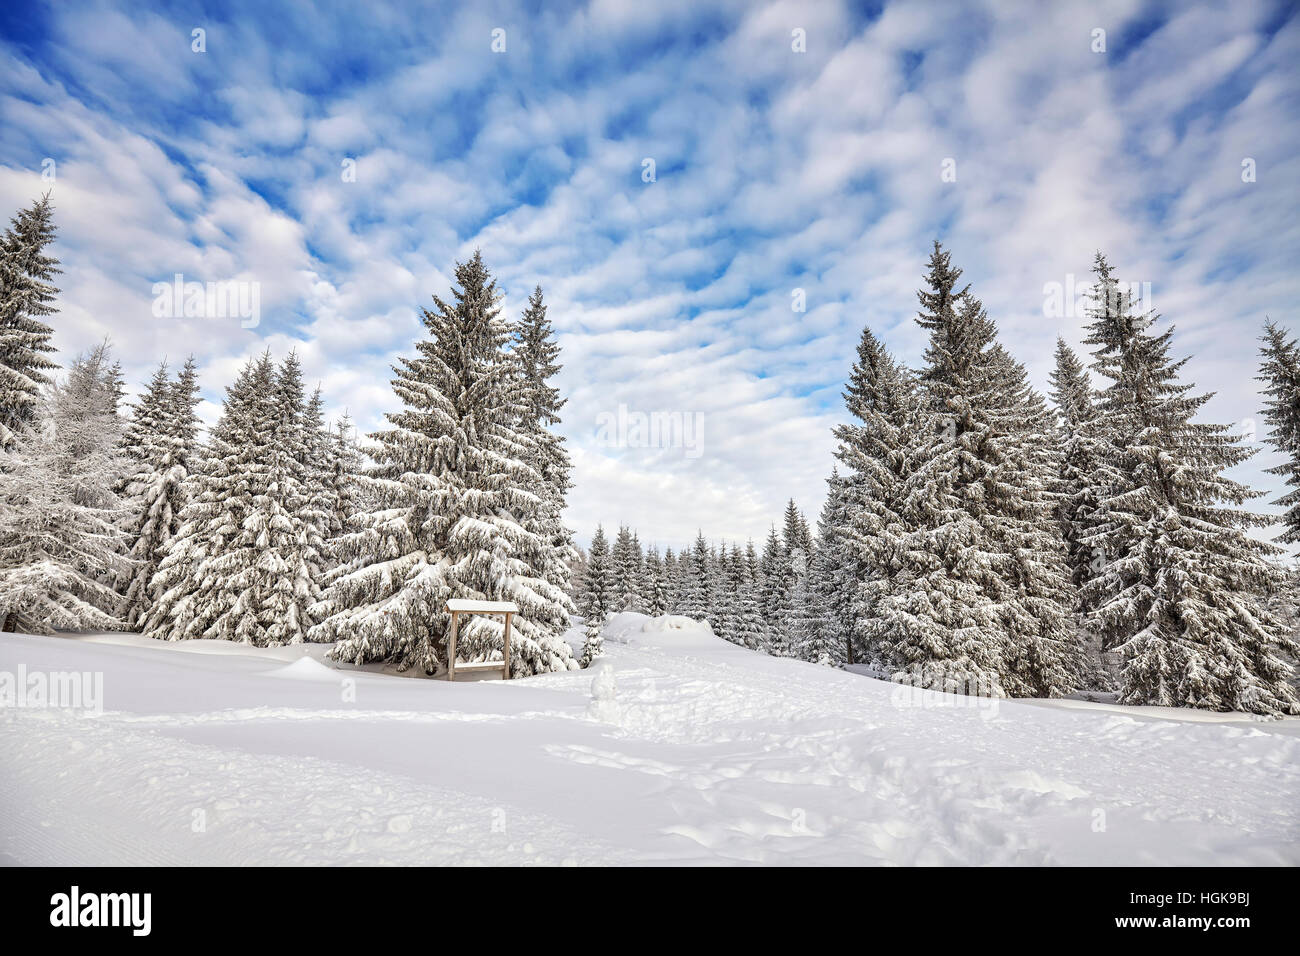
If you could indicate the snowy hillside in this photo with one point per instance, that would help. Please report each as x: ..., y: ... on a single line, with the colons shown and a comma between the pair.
x: 700, y: 752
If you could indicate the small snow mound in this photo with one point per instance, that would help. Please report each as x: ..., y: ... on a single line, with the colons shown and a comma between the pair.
x: 671, y: 622
x: 667, y: 630
x: 603, y: 684
x: 305, y: 668
x: 604, y: 689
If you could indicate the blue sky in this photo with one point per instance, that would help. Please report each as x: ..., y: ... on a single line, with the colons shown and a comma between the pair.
x: 775, y: 170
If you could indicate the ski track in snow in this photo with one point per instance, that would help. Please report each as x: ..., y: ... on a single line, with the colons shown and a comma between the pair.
x: 708, y: 754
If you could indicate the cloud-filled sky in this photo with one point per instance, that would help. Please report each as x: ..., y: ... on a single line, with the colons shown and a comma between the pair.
x: 776, y: 169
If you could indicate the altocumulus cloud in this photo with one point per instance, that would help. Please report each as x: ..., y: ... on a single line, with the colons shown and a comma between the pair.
x: 344, y: 158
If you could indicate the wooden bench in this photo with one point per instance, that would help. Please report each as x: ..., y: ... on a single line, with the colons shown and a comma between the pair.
x: 458, y: 606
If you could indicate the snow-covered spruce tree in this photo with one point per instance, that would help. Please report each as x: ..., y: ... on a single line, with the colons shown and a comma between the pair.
x: 1050, y: 658
x: 1081, y: 458
x: 984, y: 602
x: 267, y: 575
x: 786, y: 599
x: 771, y: 592
x: 1280, y: 373
x: 1084, y: 469
x: 60, y: 537
x: 671, y: 574
x: 696, y: 581
x: 628, y: 571
x: 218, y: 497
x: 598, y: 598
x: 1180, y: 596
x: 833, y: 578
x: 158, y: 444
x: 728, y: 573
x: 535, y: 355
x: 876, y: 449
x: 346, y: 462
x: 245, y: 564
x: 749, y: 630
x: 320, y: 506
x: 455, y: 500
x: 26, y: 297
x: 655, y: 587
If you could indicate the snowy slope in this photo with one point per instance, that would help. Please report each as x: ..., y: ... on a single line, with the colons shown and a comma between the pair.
x: 217, y: 753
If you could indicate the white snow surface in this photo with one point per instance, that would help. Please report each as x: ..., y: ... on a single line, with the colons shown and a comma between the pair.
x: 693, y: 751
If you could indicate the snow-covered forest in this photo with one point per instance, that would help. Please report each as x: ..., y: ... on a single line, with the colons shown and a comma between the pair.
x: 976, y: 537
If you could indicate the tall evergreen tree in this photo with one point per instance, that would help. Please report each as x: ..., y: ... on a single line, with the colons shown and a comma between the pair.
x: 218, y: 494
x: 749, y: 630
x: 1280, y: 373
x: 876, y: 449
x: 60, y: 535
x: 27, y: 296
x: 535, y: 355
x: 772, y: 592
x: 627, y: 564
x: 457, y: 500
x: 1180, y: 595
x: 245, y: 564
x: 655, y: 586
x: 985, y: 605
x: 158, y: 444
x: 599, y: 595
x: 346, y: 464
x: 696, y: 581
x: 1081, y: 452
x: 833, y: 580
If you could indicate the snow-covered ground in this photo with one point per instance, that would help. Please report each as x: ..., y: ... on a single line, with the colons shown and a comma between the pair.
x: 216, y: 753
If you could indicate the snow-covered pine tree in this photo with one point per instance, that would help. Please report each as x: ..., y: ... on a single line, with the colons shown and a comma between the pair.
x: 60, y: 537
x: 627, y: 570
x: 728, y: 574
x: 1180, y: 596
x: 749, y: 630
x: 157, y: 444
x: 456, y: 495
x: 1038, y: 610
x: 655, y: 586
x: 322, y: 475
x: 772, y: 593
x: 266, y: 575
x: 218, y: 497
x: 787, y: 580
x: 696, y: 578
x: 346, y: 463
x: 185, y: 402
x: 535, y: 355
x: 876, y: 449
x: 245, y: 564
x: 599, y: 595
x: 26, y: 297
x: 1077, y: 420
x: 1084, y: 469
x: 983, y: 603
x: 1280, y: 373
x: 833, y: 578
x: 716, y: 602
x: 671, y: 575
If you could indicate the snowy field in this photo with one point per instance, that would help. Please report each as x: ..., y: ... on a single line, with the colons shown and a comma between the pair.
x: 216, y: 753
